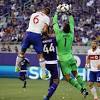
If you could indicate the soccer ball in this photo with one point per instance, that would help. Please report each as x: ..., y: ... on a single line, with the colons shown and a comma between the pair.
x: 64, y: 7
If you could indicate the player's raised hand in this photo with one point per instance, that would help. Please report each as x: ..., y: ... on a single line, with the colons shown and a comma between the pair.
x: 59, y: 8
x: 65, y: 8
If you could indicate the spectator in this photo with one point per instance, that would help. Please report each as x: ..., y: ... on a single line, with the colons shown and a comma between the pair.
x: 16, y: 49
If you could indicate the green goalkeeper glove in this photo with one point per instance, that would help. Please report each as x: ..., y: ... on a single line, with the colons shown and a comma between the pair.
x: 17, y: 69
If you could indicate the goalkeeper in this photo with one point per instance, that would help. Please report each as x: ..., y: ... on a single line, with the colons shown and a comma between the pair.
x: 64, y: 40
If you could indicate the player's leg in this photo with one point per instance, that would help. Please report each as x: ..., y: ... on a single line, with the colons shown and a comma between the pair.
x: 54, y: 81
x: 25, y: 44
x: 37, y: 44
x: 78, y: 78
x: 98, y: 87
x: 93, y: 79
x: 50, y: 82
x: 98, y: 81
x: 23, y: 78
x: 66, y: 70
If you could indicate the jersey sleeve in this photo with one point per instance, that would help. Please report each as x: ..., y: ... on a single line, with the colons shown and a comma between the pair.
x: 71, y: 23
x: 55, y: 24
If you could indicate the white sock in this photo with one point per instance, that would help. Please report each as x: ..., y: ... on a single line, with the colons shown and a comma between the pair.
x: 94, y: 93
x: 18, y: 59
x: 42, y: 65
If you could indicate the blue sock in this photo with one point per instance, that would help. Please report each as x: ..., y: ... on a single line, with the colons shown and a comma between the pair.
x: 52, y: 90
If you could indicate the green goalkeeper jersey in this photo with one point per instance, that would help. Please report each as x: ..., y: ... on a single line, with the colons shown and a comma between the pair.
x: 64, y: 40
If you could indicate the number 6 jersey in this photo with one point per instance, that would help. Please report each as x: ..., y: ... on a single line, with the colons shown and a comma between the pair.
x: 37, y: 21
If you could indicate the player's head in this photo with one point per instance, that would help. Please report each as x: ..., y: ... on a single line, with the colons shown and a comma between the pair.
x: 46, y: 10
x: 66, y: 27
x: 50, y: 33
x: 26, y: 59
x: 94, y: 44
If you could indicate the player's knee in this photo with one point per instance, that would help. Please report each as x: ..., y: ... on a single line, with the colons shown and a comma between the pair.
x: 67, y: 77
x: 22, y: 78
x: 98, y: 84
x: 56, y: 81
x: 91, y: 84
x: 74, y: 73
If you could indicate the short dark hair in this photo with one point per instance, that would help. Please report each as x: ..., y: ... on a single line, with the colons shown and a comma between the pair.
x: 66, y: 28
x: 47, y: 10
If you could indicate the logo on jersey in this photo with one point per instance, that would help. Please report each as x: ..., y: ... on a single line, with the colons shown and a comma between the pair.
x: 36, y: 20
x: 94, y: 57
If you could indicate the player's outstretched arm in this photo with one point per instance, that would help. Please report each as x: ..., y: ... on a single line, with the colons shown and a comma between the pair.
x: 55, y: 23
x: 71, y: 23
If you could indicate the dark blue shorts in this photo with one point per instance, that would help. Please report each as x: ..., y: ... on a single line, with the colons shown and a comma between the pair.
x: 94, y: 76
x: 34, y: 39
x: 54, y: 71
x: 22, y: 75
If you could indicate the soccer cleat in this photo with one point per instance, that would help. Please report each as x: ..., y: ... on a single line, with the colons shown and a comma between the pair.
x: 45, y: 75
x: 46, y: 98
x: 24, y: 87
x: 84, y: 92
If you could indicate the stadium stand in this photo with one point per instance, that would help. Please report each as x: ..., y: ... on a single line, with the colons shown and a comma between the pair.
x: 14, y: 17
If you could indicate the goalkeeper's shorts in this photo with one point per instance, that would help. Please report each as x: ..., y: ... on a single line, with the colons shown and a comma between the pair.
x: 68, y: 66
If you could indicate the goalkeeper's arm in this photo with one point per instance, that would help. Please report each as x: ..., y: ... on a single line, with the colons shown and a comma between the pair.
x: 71, y: 23
x: 55, y: 23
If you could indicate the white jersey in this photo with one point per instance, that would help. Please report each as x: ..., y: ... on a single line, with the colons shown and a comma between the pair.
x: 94, y: 57
x: 37, y: 21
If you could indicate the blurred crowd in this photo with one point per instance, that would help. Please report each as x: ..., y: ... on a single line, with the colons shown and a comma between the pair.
x: 15, y: 14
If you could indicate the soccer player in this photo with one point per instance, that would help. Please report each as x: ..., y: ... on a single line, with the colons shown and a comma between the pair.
x: 67, y: 61
x: 49, y: 52
x: 38, y: 23
x: 23, y: 64
x: 93, y: 62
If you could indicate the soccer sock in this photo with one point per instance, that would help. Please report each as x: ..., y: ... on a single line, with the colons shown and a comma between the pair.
x: 51, y: 82
x: 94, y: 93
x: 42, y: 64
x: 25, y: 83
x: 52, y: 89
x: 80, y: 81
x: 75, y: 83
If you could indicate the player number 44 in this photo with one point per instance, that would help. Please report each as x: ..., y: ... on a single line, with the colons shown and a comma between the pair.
x: 48, y: 49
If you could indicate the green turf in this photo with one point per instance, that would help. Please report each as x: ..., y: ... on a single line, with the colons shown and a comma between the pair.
x: 10, y: 89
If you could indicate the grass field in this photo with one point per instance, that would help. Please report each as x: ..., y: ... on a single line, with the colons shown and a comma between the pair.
x: 11, y: 89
